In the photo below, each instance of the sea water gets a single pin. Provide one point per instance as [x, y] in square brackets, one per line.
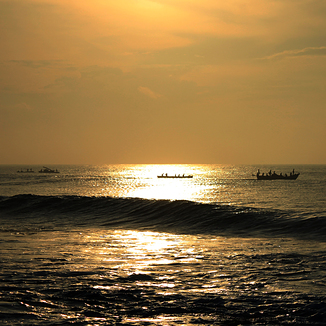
[115, 245]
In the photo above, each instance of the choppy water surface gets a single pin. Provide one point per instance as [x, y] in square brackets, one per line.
[114, 245]
[141, 278]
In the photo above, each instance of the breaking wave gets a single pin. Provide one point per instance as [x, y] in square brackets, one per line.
[180, 216]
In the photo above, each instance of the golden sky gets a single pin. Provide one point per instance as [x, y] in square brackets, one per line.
[164, 81]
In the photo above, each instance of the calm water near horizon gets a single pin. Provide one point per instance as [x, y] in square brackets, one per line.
[115, 245]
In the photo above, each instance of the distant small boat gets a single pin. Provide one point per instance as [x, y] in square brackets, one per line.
[25, 171]
[179, 176]
[275, 176]
[48, 170]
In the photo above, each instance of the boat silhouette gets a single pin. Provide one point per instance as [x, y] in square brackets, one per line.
[48, 170]
[25, 171]
[179, 176]
[275, 176]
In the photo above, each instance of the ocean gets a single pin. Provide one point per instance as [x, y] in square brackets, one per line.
[115, 245]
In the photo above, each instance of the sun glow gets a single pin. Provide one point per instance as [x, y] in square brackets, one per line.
[173, 189]
[166, 189]
[134, 250]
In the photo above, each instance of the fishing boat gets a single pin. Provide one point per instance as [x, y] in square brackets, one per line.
[275, 176]
[25, 171]
[48, 170]
[166, 176]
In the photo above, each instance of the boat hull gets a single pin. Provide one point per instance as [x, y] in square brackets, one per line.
[48, 170]
[174, 177]
[278, 177]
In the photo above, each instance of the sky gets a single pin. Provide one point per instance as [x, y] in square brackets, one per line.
[164, 81]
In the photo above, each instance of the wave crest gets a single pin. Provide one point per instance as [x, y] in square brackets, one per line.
[178, 216]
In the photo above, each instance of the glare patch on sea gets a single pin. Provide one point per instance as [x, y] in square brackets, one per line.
[147, 185]
[137, 251]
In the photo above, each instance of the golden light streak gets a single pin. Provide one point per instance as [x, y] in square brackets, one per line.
[172, 189]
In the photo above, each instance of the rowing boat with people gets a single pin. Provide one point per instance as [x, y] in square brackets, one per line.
[179, 176]
[275, 176]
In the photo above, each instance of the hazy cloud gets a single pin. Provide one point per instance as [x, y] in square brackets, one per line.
[101, 76]
[309, 51]
[37, 64]
[148, 92]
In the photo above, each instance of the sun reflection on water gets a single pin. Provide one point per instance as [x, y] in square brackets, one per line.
[166, 189]
[135, 250]
[148, 186]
